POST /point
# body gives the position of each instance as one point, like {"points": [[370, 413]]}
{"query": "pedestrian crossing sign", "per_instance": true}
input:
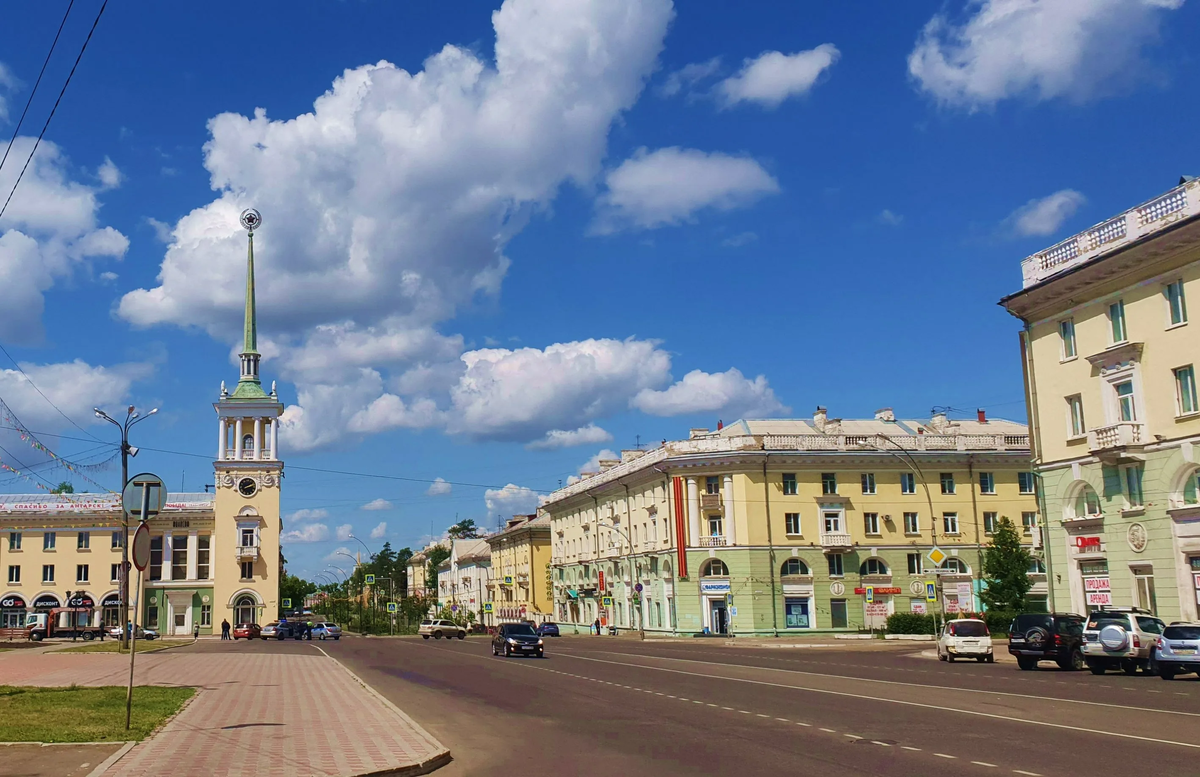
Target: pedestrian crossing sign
{"points": [[392, 607], [930, 591], [606, 601], [370, 579], [287, 603], [487, 607]]}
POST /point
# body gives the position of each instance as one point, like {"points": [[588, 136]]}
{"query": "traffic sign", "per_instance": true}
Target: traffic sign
{"points": [[370, 579], [141, 547], [454, 608], [487, 607], [144, 493], [870, 594], [930, 591], [728, 600], [606, 601], [392, 607], [937, 556], [287, 603]]}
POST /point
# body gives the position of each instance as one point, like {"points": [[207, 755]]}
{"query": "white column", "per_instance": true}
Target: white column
{"points": [[258, 438], [193, 551], [275, 439], [730, 516], [237, 440], [693, 490], [224, 437], [168, 554]]}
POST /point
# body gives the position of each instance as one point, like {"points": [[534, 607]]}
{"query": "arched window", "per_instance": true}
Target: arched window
{"points": [[666, 570], [793, 566], [873, 566], [714, 568], [247, 442], [245, 611], [1191, 488], [956, 565], [1086, 503]]}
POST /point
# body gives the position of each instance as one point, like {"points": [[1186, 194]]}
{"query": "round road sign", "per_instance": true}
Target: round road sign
{"points": [[144, 491], [141, 547]]}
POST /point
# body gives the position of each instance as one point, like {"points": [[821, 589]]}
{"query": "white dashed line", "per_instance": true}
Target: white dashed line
{"points": [[1028, 774], [783, 720], [806, 725], [914, 749], [984, 763], [829, 730], [877, 742], [943, 755], [851, 736], [762, 715]]}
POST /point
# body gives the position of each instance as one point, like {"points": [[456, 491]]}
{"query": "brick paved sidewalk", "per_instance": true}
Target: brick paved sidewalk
{"points": [[253, 715]]}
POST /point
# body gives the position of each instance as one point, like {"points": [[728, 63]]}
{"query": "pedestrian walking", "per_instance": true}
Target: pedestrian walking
{"points": [[225, 629], [596, 626], [196, 631]]}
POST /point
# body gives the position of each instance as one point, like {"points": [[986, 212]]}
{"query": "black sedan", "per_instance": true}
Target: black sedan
{"points": [[517, 639]]}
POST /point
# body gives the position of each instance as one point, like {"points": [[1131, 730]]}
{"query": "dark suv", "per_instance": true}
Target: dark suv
{"points": [[1042, 636], [517, 639]]}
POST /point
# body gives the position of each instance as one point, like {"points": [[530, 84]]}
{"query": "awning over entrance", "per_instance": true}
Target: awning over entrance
{"points": [[572, 593], [45, 602], [112, 600]]}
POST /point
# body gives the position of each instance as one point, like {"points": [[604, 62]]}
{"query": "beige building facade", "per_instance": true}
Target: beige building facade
{"points": [[520, 570]]}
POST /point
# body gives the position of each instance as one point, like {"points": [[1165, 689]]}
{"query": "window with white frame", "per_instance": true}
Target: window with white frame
{"points": [[908, 483], [914, 563], [987, 483], [833, 521], [1066, 336], [1028, 522], [868, 482], [1116, 318], [912, 523], [14, 574], [715, 526], [47, 573], [82, 573], [950, 523], [14, 540], [1185, 390], [871, 523], [83, 540], [1126, 406], [114, 572], [835, 565], [947, 482], [989, 523], [1133, 485], [49, 540], [874, 566], [1075, 422], [1176, 304], [712, 485], [1026, 483], [828, 482], [791, 523], [116, 539], [789, 483]]}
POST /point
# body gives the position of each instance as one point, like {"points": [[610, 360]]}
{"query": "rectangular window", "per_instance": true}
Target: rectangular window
{"points": [[950, 523], [206, 615], [871, 523], [248, 538], [912, 524], [868, 482], [1028, 522], [83, 540], [179, 570], [714, 526], [81, 573], [1176, 303], [114, 572], [914, 563], [14, 574], [49, 539], [987, 483], [247, 570], [47, 573], [795, 612], [828, 482], [789, 483], [1025, 483], [1143, 579], [1075, 416], [1066, 333], [156, 557], [1126, 410], [1116, 317], [835, 565], [1133, 485], [837, 614], [712, 485], [152, 617], [947, 482], [14, 540], [989, 523], [202, 556], [1185, 390], [791, 523], [116, 539], [908, 483], [833, 523]]}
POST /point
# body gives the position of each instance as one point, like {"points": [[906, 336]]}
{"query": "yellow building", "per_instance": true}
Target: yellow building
{"points": [[1110, 368], [520, 567], [768, 526]]}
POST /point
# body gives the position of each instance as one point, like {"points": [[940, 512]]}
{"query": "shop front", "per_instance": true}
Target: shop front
{"points": [[12, 611], [714, 595], [798, 609], [110, 610]]}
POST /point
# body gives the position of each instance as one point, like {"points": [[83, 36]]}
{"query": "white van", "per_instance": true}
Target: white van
{"points": [[965, 638]]}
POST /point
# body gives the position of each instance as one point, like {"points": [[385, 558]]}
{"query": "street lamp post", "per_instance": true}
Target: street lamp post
{"points": [[371, 600], [357, 564], [132, 418], [345, 589], [632, 580]]}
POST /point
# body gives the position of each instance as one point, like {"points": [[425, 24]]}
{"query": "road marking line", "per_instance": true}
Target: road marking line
{"points": [[1030, 774], [914, 749], [852, 736], [943, 755], [806, 725], [711, 704], [984, 763], [877, 742], [762, 715], [829, 730], [744, 712], [728, 708], [783, 720]]}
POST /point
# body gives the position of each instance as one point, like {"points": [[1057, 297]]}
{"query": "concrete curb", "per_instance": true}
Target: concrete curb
{"points": [[424, 767], [104, 765], [910, 637], [62, 744]]}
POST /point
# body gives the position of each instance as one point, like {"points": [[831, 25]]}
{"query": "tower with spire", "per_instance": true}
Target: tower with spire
{"points": [[248, 476]]}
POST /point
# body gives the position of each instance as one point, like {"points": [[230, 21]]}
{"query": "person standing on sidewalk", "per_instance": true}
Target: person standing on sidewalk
{"points": [[596, 626], [224, 629]]}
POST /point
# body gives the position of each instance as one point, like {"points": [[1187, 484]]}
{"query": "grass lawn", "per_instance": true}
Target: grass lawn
{"points": [[111, 646], [84, 714]]}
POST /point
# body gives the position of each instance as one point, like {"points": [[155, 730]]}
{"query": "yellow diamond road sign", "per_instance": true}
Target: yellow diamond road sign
{"points": [[937, 556]]}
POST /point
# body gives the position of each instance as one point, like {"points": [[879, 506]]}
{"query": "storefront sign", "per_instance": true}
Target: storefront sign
{"points": [[714, 586], [45, 602], [883, 590], [1099, 598], [1096, 584], [81, 599], [601, 579], [12, 603], [965, 594], [1086, 543], [917, 606], [1196, 579]]}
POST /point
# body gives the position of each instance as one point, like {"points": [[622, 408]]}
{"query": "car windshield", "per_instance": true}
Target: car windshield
{"points": [[969, 629], [1026, 621], [520, 630], [1182, 632], [1099, 620], [550, 625]]}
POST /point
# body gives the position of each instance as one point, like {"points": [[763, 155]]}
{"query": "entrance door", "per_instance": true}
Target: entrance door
{"points": [[719, 616]]}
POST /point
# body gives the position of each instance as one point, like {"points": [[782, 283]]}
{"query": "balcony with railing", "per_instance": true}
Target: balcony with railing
{"points": [[710, 501], [1134, 224], [713, 542], [247, 552], [1117, 437], [836, 541]]}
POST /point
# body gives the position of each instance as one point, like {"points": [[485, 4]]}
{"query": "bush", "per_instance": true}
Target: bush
{"points": [[910, 623]]}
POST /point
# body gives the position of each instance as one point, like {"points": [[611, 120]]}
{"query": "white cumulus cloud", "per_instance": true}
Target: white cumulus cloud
{"points": [[8, 83], [108, 173], [593, 464], [377, 504], [998, 49], [559, 438], [309, 532], [773, 76], [670, 185], [75, 387], [308, 514], [380, 531], [699, 391], [344, 531], [1042, 217], [511, 500], [439, 487], [688, 76]]}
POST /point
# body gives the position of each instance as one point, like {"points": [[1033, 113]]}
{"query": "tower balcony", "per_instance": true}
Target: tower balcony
{"points": [[247, 552], [836, 542]]}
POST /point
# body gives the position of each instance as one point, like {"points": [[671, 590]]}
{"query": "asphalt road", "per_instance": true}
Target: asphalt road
{"points": [[604, 706]]}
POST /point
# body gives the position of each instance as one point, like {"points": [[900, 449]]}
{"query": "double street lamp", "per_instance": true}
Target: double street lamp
{"points": [[132, 419]]}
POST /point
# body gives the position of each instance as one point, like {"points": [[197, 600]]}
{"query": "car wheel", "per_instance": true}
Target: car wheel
{"points": [[980, 659], [36, 637], [950, 658], [1074, 662], [541, 654], [339, 636], [941, 657], [1129, 666], [437, 635], [462, 635], [424, 636], [1166, 672], [991, 659], [507, 651], [1097, 667], [235, 639]]}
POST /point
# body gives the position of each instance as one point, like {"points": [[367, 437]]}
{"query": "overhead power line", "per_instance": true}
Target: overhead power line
{"points": [[61, 92], [39, 391]]}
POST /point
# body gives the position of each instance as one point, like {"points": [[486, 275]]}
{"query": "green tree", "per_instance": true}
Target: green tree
{"points": [[63, 488], [463, 530], [1006, 569], [295, 588], [433, 559]]}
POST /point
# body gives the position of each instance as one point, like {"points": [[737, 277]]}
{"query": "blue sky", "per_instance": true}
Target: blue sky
{"points": [[500, 238]]}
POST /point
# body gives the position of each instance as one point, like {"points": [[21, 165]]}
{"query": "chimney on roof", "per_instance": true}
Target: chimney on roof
{"points": [[819, 419], [720, 424], [696, 434], [939, 423], [607, 464], [885, 414], [981, 415]]}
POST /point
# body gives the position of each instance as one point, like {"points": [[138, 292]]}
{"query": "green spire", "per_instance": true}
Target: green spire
{"points": [[248, 386]]}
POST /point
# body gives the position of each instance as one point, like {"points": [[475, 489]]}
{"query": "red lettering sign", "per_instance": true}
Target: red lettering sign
{"points": [[1087, 542], [602, 580]]}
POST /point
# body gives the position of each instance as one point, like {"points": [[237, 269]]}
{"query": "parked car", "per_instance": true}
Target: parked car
{"points": [[548, 629], [278, 630], [327, 630], [147, 634], [247, 631], [1124, 638], [1047, 636], [965, 638], [1179, 650], [517, 639], [477, 628], [440, 628]]}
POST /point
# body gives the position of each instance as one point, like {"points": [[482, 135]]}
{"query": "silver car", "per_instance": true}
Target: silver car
{"points": [[1124, 638], [327, 630], [1179, 650]]}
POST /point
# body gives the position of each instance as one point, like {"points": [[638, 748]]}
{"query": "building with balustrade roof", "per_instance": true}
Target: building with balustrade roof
{"points": [[1109, 360], [781, 526]]}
